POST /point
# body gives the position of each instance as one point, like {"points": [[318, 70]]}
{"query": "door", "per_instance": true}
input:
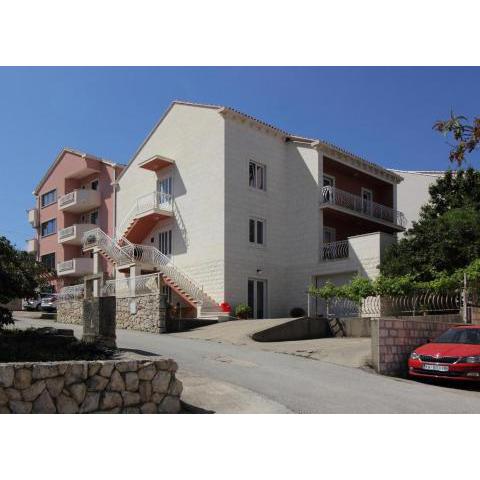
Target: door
{"points": [[367, 197], [257, 297], [329, 235], [164, 186], [165, 242], [328, 188]]}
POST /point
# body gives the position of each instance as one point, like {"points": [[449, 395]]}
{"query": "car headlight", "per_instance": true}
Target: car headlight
{"points": [[473, 359], [415, 356]]}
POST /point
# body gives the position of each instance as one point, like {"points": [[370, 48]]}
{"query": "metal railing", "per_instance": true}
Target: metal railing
{"points": [[64, 266], [150, 201], [66, 232], [72, 292], [66, 199], [334, 251], [420, 303], [334, 196], [133, 286], [98, 238]]}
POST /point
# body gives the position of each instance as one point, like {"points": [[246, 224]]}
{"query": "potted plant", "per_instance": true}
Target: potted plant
{"points": [[243, 311]]}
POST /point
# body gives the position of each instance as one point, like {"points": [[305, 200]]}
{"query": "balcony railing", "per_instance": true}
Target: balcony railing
{"points": [[76, 267], [79, 200], [33, 216], [334, 196], [74, 233], [334, 251]]}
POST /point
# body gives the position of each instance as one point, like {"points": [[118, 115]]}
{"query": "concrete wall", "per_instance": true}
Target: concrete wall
{"points": [[297, 329], [393, 339], [109, 386], [194, 139]]}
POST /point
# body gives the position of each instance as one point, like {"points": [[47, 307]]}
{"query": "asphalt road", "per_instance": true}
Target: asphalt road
{"points": [[295, 384]]}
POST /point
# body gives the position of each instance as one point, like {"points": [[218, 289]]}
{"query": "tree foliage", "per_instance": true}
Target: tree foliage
{"points": [[466, 136], [20, 276], [447, 234]]}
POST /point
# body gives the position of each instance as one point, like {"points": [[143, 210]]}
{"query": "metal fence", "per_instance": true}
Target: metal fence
{"points": [[420, 303]]}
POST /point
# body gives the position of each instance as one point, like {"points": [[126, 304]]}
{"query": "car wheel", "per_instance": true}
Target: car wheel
{"points": [[37, 308]]}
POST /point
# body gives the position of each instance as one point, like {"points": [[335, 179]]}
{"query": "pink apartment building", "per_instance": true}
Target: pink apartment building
{"points": [[75, 195]]}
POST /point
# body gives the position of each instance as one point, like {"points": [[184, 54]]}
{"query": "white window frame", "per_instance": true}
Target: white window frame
{"points": [[264, 170], [264, 232], [170, 239], [54, 190], [330, 177]]}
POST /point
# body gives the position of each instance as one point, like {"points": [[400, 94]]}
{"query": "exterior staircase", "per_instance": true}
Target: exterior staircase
{"points": [[122, 252]]}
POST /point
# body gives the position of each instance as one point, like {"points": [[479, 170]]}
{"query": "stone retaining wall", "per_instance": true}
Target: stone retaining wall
{"points": [[393, 339], [108, 386], [70, 311], [145, 313]]}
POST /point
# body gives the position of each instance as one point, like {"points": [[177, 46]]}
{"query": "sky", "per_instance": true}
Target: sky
{"points": [[382, 114]]}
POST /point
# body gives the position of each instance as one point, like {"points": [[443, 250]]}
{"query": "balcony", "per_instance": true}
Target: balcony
{"points": [[32, 245], [33, 217], [334, 251], [76, 267], [347, 202], [73, 235], [81, 200], [144, 214]]}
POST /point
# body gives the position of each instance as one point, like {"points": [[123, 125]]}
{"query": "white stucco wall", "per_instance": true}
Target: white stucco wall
{"points": [[412, 193], [194, 138]]}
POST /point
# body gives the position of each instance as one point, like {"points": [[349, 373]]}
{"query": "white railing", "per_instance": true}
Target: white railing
{"points": [[66, 199], [133, 286], [143, 204], [152, 256], [64, 266], [335, 196], [98, 238], [334, 251], [73, 292], [66, 232]]}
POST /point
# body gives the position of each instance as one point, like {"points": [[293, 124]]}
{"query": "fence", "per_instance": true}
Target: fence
{"points": [[132, 286], [421, 303]]}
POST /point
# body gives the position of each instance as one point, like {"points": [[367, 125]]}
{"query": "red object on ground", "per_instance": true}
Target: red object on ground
{"points": [[225, 307], [454, 355]]}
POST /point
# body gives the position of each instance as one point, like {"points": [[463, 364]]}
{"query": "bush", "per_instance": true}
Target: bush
{"points": [[243, 311], [5, 317], [296, 312]]}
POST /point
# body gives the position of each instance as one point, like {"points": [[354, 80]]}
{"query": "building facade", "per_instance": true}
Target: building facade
{"points": [[248, 213], [75, 195], [231, 210], [413, 192]]}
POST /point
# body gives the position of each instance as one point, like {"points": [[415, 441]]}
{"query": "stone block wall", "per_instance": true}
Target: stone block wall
{"points": [[393, 339], [144, 313], [108, 386], [70, 311]]}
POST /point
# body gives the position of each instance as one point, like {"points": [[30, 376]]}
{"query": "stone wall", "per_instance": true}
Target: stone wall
{"points": [[70, 311], [145, 313], [393, 339], [108, 386]]}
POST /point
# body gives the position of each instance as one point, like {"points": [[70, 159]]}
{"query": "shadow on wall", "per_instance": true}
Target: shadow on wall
{"points": [[304, 328]]}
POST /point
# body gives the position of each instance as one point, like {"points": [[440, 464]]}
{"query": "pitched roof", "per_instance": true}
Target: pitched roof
{"points": [[74, 152], [287, 136]]}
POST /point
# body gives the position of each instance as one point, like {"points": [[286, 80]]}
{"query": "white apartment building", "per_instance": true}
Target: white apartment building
{"points": [[230, 209]]}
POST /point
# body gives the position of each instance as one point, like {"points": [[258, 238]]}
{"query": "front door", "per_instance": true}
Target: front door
{"points": [[257, 297]]}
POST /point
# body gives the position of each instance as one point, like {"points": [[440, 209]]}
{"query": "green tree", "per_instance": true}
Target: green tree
{"points": [[466, 136], [20, 276]]}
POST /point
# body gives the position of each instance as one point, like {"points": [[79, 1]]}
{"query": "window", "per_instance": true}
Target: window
{"points": [[165, 242], [167, 291], [329, 234], [94, 185], [49, 198], [256, 231], [94, 217], [165, 185], [257, 176], [49, 261], [328, 181], [49, 228]]}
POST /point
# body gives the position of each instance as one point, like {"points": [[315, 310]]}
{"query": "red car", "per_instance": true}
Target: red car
{"points": [[454, 355]]}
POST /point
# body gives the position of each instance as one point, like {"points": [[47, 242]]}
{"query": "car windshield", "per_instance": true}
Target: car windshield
{"points": [[460, 335]]}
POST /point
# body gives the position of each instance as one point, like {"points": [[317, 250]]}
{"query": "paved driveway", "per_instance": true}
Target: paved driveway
{"points": [[274, 382]]}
